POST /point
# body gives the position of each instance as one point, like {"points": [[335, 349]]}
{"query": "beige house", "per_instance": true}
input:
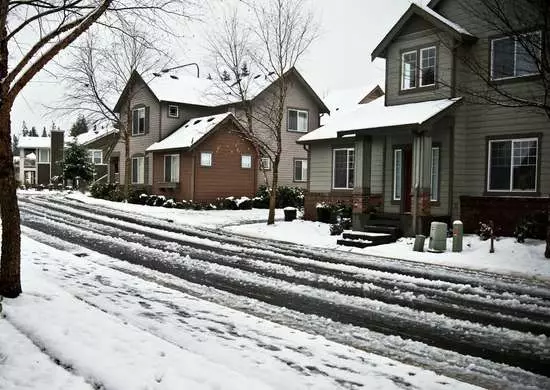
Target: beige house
{"points": [[161, 105], [429, 149]]}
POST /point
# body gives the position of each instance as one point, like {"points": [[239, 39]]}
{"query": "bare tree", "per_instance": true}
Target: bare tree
{"points": [[100, 72], [272, 44], [54, 24]]}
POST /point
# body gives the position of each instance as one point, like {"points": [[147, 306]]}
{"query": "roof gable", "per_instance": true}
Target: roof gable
{"points": [[429, 16], [135, 77]]}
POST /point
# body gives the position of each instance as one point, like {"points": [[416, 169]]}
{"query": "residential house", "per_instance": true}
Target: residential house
{"points": [[205, 159], [430, 149], [157, 107], [100, 143], [39, 159]]}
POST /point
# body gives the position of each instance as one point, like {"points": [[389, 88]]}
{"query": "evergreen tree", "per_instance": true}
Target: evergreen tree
{"points": [[33, 132], [44, 132], [24, 129], [77, 163], [79, 127]]}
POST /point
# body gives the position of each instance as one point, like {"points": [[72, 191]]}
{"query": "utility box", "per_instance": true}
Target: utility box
{"points": [[438, 237], [458, 236], [419, 243]]}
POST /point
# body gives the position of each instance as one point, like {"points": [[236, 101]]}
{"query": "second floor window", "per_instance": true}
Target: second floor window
{"points": [[418, 68], [43, 155], [515, 56], [172, 168], [138, 121], [298, 120], [95, 156], [265, 163], [300, 170], [206, 159], [246, 161]]}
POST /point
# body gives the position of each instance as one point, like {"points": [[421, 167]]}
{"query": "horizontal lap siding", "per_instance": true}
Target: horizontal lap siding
{"points": [[377, 165], [321, 163], [168, 124]]}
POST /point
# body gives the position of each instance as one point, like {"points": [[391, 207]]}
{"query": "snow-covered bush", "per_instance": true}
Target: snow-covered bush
{"points": [[286, 197]]}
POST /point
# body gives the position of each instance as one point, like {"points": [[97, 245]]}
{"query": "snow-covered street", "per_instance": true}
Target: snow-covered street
{"points": [[258, 313]]}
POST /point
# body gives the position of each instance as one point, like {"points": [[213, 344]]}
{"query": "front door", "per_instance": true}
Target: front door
{"points": [[30, 178], [407, 182]]}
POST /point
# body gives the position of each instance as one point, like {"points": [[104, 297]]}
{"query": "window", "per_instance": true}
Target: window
{"points": [[43, 155], [173, 111], [138, 170], [408, 70], [300, 170], [95, 156], [206, 159], [343, 168], [298, 120], [246, 161], [435, 174], [512, 165], [138, 121], [171, 168], [397, 173], [427, 66], [265, 163], [515, 56]]}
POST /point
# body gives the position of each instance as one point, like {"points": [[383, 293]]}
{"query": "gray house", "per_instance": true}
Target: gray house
{"points": [[158, 106], [432, 148]]}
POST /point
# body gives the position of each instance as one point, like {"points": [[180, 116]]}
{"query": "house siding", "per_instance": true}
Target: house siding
{"points": [[320, 173], [168, 124]]}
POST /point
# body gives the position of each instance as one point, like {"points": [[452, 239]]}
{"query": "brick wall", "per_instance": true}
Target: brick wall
{"points": [[505, 212], [311, 199]]}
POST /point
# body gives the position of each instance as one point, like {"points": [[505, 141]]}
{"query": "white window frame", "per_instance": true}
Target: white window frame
{"points": [[91, 155], [516, 43], [512, 140], [434, 174], [397, 174], [298, 112], [303, 170], [206, 159], [39, 157], [421, 66], [415, 70], [174, 168], [135, 124], [265, 163], [140, 171], [177, 114], [348, 150], [246, 161]]}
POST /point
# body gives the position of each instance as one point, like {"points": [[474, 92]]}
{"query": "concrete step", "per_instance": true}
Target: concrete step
{"points": [[376, 238], [355, 243], [391, 230]]}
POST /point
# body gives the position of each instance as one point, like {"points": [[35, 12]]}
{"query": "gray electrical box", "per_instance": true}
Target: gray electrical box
{"points": [[458, 236], [438, 237]]}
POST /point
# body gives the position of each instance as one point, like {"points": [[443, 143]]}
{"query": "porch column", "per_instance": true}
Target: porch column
{"points": [[361, 187], [422, 155]]}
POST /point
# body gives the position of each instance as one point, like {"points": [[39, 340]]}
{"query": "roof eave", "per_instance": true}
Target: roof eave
{"points": [[369, 131]]}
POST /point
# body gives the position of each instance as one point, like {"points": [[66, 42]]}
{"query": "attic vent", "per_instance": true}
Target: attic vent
{"points": [[210, 119], [197, 121], [173, 77], [257, 76]]}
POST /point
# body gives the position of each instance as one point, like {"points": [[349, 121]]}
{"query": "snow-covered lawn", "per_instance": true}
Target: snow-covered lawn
{"points": [[108, 329], [509, 257]]}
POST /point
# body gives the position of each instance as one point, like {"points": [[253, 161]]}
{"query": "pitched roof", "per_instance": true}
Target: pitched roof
{"points": [[92, 135], [191, 133], [430, 16], [375, 115], [34, 142]]}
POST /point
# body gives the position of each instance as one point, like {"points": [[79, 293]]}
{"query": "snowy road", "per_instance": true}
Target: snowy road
{"points": [[493, 317]]}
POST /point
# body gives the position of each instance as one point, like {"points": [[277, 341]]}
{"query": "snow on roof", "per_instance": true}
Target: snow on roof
{"points": [[343, 100], [191, 132], [453, 25], [376, 115], [92, 135], [34, 142], [203, 92]]}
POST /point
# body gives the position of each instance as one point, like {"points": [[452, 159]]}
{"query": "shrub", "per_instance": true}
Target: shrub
{"points": [[245, 204], [286, 197], [485, 231], [532, 226]]}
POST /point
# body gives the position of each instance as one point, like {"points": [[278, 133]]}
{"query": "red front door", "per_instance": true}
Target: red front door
{"points": [[407, 182]]}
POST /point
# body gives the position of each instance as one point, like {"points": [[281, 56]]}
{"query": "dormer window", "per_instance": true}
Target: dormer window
{"points": [[418, 68], [515, 56]]}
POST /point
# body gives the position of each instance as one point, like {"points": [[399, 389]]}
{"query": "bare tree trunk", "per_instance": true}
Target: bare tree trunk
{"points": [[273, 193], [127, 162], [10, 280]]}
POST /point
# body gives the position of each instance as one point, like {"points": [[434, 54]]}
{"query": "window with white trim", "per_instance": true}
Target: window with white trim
{"points": [[246, 161], [513, 165], [43, 155], [206, 159], [138, 170], [427, 66], [298, 120], [171, 168], [434, 184], [300, 170], [515, 56], [95, 156], [408, 70], [343, 165], [138, 121], [265, 163], [173, 111], [397, 174]]}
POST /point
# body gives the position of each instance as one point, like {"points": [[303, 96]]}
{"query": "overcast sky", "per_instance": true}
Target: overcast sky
{"points": [[340, 58]]}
